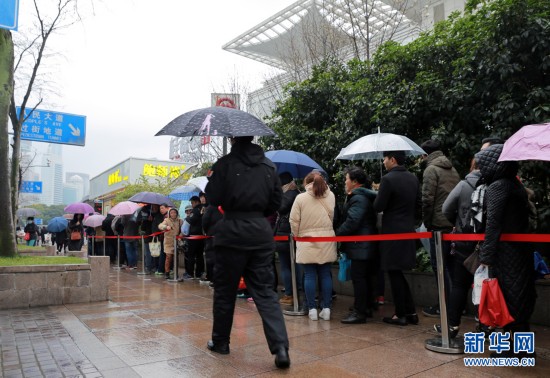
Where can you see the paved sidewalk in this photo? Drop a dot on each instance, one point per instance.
(152, 328)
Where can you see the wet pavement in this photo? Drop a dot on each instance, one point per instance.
(153, 328)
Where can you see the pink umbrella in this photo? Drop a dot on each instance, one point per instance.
(79, 208)
(124, 208)
(531, 142)
(94, 220)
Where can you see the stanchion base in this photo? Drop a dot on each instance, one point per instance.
(143, 273)
(175, 280)
(456, 346)
(299, 312)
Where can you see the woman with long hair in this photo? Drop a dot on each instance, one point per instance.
(312, 214)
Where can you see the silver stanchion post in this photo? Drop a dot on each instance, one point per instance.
(118, 252)
(443, 344)
(175, 279)
(104, 241)
(93, 245)
(143, 272)
(296, 311)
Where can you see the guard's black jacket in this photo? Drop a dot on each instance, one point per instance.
(246, 185)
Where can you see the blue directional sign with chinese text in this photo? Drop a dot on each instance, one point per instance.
(9, 10)
(31, 186)
(54, 127)
(38, 221)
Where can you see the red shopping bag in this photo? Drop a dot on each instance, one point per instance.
(493, 310)
(242, 285)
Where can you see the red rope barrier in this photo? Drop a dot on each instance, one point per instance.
(404, 236)
(541, 238)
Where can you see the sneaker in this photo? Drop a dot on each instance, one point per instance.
(158, 273)
(325, 314)
(204, 281)
(453, 331)
(313, 314)
(287, 300)
(250, 300)
(186, 276)
(431, 311)
(380, 300)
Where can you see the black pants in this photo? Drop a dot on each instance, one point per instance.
(402, 297)
(194, 259)
(363, 276)
(256, 266)
(462, 282)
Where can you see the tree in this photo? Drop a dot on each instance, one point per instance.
(29, 93)
(7, 229)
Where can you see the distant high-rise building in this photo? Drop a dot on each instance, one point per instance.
(85, 181)
(73, 190)
(52, 176)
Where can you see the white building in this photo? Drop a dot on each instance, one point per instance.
(309, 31)
(52, 175)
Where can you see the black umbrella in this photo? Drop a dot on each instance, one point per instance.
(216, 121)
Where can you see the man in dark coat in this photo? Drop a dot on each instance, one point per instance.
(210, 220)
(400, 200)
(245, 184)
(194, 259)
(158, 218)
(512, 263)
(359, 218)
(439, 179)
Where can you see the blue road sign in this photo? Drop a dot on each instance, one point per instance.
(31, 186)
(53, 127)
(37, 221)
(9, 10)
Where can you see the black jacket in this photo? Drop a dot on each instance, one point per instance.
(246, 185)
(195, 220)
(507, 212)
(210, 220)
(400, 199)
(282, 226)
(359, 218)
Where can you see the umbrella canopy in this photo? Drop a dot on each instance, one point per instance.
(94, 220)
(57, 224)
(372, 146)
(184, 192)
(216, 121)
(531, 142)
(200, 182)
(26, 212)
(79, 208)
(295, 163)
(151, 198)
(124, 208)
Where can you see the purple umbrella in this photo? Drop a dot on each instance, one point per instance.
(531, 142)
(151, 198)
(79, 208)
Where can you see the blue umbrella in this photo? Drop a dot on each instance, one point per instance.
(184, 192)
(295, 163)
(57, 224)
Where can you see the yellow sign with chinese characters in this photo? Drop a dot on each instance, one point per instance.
(160, 170)
(115, 178)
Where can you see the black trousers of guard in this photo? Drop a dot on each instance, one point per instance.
(256, 266)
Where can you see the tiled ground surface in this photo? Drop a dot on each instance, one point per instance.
(152, 328)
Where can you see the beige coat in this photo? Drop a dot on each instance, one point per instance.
(312, 216)
(175, 230)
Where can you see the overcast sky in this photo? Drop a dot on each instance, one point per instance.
(138, 64)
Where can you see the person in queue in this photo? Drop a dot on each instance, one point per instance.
(312, 214)
(158, 218)
(75, 231)
(400, 200)
(194, 259)
(282, 228)
(511, 263)
(172, 226)
(439, 178)
(359, 218)
(246, 186)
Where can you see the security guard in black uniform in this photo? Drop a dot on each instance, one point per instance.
(246, 186)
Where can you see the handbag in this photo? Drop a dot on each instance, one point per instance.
(75, 235)
(480, 275)
(471, 263)
(154, 247)
(27, 236)
(344, 263)
(493, 310)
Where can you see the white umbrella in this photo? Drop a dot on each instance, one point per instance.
(94, 220)
(372, 147)
(200, 182)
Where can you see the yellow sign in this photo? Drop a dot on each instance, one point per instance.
(115, 178)
(159, 170)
